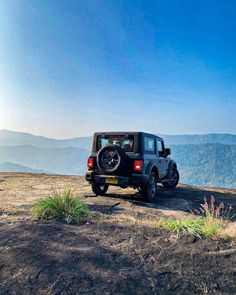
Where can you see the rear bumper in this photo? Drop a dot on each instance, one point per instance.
(135, 180)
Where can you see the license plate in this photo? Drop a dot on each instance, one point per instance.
(111, 180)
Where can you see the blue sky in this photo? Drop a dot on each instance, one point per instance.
(69, 68)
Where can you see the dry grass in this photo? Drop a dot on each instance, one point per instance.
(188, 225)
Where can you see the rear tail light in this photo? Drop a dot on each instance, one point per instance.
(138, 165)
(90, 163)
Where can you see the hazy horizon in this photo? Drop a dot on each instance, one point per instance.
(194, 154)
(89, 135)
(70, 68)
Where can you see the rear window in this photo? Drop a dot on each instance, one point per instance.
(127, 143)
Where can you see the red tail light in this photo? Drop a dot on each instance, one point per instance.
(90, 163)
(138, 165)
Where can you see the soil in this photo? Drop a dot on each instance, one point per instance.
(52, 257)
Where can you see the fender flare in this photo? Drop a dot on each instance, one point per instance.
(172, 164)
(151, 168)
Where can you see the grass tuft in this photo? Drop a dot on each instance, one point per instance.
(65, 206)
(213, 218)
(198, 227)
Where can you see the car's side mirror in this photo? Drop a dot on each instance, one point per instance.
(167, 151)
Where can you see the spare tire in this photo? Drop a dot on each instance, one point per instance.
(111, 159)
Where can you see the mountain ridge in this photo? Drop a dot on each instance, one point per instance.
(13, 167)
(70, 160)
(13, 138)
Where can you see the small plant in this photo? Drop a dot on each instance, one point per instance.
(212, 218)
(212, 211)
(212, 227)
(188, 226)
(198, 227)
(65, 206)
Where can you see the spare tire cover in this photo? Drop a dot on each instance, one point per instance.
(111, 159)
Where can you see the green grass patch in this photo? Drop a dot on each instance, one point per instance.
(212, 219)
(198, 227)
(65, 206)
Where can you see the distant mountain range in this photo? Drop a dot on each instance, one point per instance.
(203, 160)
(13, 138)
(68, 160)
(200, 138)
(12, 167)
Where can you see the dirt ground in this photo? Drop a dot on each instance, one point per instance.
(108, 258)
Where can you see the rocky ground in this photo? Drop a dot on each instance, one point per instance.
(109, 257)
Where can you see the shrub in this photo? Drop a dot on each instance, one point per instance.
(65, 206)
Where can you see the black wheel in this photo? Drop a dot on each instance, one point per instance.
(99, 189)
(174, 179)
(111, 159)
(149, 192)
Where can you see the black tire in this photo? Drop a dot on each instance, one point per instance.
(99, 189)
(149, 192)
(174, 179)
(111, 159)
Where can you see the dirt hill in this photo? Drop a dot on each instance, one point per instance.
(109, 257)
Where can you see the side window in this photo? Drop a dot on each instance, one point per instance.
(159, 148)
(149, 144)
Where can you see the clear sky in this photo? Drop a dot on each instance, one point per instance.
(69, 68)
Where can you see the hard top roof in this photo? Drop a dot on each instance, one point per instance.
(126, 132)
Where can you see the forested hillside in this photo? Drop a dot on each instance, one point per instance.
(206, 164)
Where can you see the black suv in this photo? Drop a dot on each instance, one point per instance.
(135, 159)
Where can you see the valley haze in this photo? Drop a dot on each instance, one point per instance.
(203, 160)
